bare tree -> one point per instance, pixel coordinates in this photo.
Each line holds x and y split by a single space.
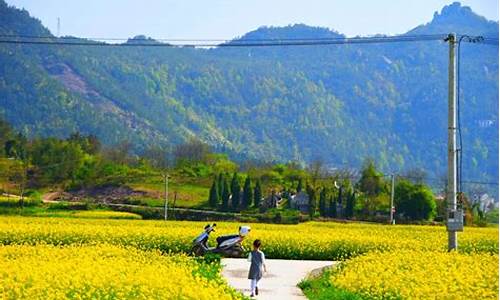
120 153
317 170
192 151
416 175
160 157
18 175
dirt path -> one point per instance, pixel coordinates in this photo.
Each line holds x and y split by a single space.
49 197
280 282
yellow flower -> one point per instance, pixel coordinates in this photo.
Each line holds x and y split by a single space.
100 272
380 261
420 274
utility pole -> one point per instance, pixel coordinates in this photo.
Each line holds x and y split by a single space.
392 200
58 27
451 194
166 195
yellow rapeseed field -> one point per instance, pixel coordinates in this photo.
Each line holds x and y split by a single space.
101 272
381 261
105 214
313 240
417 274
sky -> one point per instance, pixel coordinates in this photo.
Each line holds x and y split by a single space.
226 19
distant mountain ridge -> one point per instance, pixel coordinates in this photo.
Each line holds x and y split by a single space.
457 17
340 104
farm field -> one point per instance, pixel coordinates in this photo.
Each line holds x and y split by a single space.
105 272
313 240
9 206
418 274
373 254
191 194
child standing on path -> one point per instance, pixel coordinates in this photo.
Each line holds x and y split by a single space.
258 263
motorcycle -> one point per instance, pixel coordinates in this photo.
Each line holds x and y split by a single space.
227 245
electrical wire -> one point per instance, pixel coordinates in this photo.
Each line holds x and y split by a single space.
245 42
235 43
214 40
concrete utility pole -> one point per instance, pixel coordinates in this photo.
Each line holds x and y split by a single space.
392 199
166 195
451 194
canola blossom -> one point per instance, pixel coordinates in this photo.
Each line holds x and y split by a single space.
313 240
102 272
379 261
413 274
105 214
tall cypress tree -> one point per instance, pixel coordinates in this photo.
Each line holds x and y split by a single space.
257 194
312 200
340 200
299 186
235 192
288 197
322 202
225 195
333 207
247 194
351 202
213 199
220 185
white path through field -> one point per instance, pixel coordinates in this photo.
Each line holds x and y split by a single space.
280 281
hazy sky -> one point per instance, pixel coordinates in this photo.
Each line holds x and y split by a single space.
230 18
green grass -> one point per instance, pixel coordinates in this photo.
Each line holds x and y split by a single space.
15 201
189 195
35 211
58 210
321 288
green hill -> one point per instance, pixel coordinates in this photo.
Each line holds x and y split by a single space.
340 104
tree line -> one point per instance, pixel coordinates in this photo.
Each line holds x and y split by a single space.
227 194
80 161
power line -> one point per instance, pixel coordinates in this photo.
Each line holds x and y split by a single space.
406 36
147 42
216 40
235 43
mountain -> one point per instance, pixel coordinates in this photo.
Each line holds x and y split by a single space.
457 17
338 103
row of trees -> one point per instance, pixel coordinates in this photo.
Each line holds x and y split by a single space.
370 196
231 196
336 195
80 161
329 195
331 203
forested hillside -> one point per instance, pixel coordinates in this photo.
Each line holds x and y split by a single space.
337 103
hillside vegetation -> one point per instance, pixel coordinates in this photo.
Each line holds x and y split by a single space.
339 104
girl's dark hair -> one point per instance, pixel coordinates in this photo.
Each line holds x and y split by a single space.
256 243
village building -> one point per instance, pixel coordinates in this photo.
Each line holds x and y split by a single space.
300 201
272 201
